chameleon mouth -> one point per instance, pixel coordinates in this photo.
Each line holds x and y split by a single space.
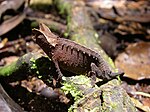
119 73
36 34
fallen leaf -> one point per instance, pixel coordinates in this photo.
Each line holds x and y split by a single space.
3 42
33 84
140 105
10 4
146 101
9 24
106 3
135 61
127 28
10 59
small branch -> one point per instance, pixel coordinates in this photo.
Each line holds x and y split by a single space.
23 64
7 104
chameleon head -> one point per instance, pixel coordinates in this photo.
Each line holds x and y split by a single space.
112 75
44 35
38 37
108 75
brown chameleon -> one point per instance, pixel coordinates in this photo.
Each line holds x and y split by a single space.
71 56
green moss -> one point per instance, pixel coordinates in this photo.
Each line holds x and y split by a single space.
7 70
63 6
34 66
34 24
69 87
13 68
42 5
53 27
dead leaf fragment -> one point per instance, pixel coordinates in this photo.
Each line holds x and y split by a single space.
3 42
140 105
135 61
34 84
130 28
9 24
10 59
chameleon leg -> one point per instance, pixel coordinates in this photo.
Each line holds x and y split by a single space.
105 74
96 70
92 74
57 69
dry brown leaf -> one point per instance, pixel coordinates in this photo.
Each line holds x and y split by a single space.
135 61
10 59
9 24
130 28
140 105
3 42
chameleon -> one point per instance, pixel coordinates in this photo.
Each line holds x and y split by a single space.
71 56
